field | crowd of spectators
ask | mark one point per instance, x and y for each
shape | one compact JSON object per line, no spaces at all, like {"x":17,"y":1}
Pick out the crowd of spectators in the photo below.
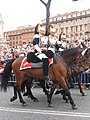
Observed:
{"x":7,"y":53}
{"x":21,"y":50}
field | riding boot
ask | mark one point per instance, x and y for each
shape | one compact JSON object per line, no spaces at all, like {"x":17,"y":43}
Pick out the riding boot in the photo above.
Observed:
{"x":54,"y":60}
{"x":45,"y":67}
{"x":45,"y":71}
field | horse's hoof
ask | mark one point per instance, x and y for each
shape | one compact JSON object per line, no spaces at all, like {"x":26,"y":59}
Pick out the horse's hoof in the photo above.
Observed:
{"x":66,"y":101}
{"x":35,"y":100}
{"x":25,"y":94}
{"x":74,"y":107}
{"x":57,"y":92}
{"x":46,"y":93}
{"x":50,"y":105}
{"x":24,"y":104}
{"x":12,"y":99}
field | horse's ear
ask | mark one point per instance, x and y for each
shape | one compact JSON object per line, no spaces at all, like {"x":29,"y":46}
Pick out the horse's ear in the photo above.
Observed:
{"x":83,"y":45}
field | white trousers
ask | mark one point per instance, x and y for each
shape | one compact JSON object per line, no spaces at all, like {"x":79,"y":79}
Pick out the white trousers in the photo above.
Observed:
{"x":42,"y":55}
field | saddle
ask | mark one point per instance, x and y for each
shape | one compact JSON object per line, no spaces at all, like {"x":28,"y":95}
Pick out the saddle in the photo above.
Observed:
{"x":26,"y":65}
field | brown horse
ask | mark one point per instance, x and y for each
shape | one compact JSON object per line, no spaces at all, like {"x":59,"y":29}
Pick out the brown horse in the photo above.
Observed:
{"x":58,"y":73}
{"x":76,"y":70}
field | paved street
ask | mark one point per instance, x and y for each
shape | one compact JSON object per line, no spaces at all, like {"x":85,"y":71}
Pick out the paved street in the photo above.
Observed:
{"x":40,"y":110}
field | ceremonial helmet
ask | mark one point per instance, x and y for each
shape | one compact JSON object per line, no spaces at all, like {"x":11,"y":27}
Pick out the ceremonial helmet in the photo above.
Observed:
{"x":40,"y":28}
{"x":52,"y":29}
{"x":63,"y":36}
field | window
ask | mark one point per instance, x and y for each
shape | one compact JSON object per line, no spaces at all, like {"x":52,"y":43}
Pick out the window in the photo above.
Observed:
{"x":16,"y":42}
{"x":66,"y":29}
{"x":76,"y":34}
{"x":76,"y":28}
{"x":16,"y":37}
{"x":20,"y":37}
{"x":85,"y":26}
{"x":71,"y":28}
{"x":80,"y":27}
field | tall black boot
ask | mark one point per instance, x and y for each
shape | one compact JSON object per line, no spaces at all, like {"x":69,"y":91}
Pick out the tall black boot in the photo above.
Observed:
{"x":45,"y":72}
{"x":45,"y":67}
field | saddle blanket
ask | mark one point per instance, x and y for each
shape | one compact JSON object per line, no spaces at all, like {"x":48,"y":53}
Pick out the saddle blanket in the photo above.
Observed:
{"x":25,"y":64}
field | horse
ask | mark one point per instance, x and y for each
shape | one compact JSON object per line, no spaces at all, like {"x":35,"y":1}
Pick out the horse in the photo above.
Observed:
{"x":58,"y":73}
{"x":76,"y":71}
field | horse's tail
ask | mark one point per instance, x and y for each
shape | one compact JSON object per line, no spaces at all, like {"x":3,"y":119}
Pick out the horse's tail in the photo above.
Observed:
{"x":6,"y":75}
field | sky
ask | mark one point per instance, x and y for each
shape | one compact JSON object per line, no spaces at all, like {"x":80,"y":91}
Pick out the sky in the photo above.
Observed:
{"x":17,"y":13}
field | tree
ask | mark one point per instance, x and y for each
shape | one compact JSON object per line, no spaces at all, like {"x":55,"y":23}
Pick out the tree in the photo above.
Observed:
{"x":47,"y":5}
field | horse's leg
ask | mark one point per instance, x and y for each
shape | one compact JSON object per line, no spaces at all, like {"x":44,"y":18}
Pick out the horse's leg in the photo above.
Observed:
{"x":42,"y":83}
{"x":70,"y":98}
{"x":28,"y":83}
{"x":30,"y":93}
{"x":64,"y":96}
{"x":79,"y":84}
{"x":50,"y":93}
{"x":15,"y":94}
{"x":18,"y":90}
{"x":64,"y":85}
{"x":21,"y":99}
{"x":62,"y":92}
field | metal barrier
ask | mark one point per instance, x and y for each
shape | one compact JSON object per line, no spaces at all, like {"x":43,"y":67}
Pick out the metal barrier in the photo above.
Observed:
{"x":85,"y":78}
{"x":12,"y":79}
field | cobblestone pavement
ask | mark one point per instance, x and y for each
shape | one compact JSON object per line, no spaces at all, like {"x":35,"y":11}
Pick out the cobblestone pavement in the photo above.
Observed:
{"x":40,"y":110}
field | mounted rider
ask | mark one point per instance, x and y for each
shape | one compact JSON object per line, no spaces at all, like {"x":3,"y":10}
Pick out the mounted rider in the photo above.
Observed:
{"x":53,"y":38}
{"x":40,"y":43}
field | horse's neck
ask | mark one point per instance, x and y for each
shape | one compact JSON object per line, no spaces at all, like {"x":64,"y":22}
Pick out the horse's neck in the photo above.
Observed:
{"x":61,"y":59}
{"x":69,"y":59}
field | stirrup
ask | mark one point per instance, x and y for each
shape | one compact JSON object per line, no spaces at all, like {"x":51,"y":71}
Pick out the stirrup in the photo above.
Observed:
{"x":48,"y":82}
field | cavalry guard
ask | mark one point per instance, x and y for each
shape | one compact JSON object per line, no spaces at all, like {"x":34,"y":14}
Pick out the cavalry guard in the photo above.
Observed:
{"x":63,"y":42}
{"x":53,"y":38}
{"x":40,"y":42}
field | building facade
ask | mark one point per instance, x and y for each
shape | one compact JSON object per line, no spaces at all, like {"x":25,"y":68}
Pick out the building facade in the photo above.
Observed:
{"x":76,"y":25}
{"x":18,"y":36}
{"x":1,"y":31}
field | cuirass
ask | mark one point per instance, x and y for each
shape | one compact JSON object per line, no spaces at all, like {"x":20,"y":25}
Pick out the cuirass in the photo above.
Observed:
{"x":52,"y":40}
{"x":43,"y":41}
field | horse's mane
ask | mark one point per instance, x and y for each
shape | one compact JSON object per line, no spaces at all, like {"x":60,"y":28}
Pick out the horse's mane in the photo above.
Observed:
{"x":70,"y":51}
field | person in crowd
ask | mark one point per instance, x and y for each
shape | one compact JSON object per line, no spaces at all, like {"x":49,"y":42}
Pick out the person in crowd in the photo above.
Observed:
{"x":62,"y":42}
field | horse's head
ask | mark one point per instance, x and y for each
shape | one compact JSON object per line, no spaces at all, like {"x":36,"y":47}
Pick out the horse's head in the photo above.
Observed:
{"x":84,"y":60}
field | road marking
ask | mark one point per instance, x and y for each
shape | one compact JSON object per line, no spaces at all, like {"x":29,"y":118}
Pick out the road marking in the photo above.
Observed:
{"x":45,"y":112}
